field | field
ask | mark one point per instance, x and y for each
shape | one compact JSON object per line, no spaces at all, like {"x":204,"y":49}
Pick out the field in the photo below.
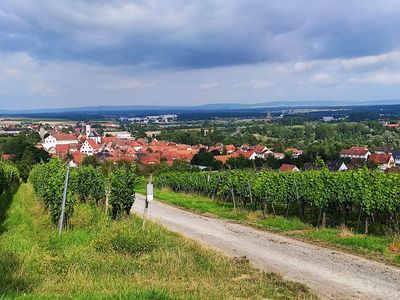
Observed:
{"x":384,"y":248}
{"x":103,"y":259}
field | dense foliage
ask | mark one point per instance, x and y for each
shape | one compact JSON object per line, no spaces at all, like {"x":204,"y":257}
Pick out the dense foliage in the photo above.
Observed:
{"x":316,"y":195}
{"x":9,"y":176}
{"x":122,"y":186}
{"x":323,"y":138}
{"x":23,"y":152}
{"x":48,"y":182}
{"x":86,"y":184}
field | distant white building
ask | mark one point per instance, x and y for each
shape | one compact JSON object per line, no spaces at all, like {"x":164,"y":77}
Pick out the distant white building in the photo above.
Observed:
{"x":124,"y":136}
{"x":355,"y":152}
{"x":328,"y":119}
{"x":59,"y":139}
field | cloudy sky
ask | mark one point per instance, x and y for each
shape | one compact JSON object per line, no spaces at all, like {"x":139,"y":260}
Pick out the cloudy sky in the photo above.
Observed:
{"x":69,"y":53}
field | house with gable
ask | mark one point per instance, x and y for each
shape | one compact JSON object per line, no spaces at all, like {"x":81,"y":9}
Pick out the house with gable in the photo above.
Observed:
{"x":89,"y":147}
{"x":55,"y":139}
{"x":289,"y":168}
{"x":355,"y":153}
{"x":382,"y":160}
{"x":295,"y":152}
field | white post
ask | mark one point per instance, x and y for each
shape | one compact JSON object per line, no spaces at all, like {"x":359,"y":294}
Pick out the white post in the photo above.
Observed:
{"x":60,"y":225}
{"x":149,"y":197}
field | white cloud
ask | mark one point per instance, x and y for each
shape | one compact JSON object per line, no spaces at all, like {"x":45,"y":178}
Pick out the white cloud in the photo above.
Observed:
{"x":322,"y":78}
{"x":210,"y":85}
{"x":382,"y":77}
{"x":129,"y":84}
{"x":42,"y":88}
{"x":374,"y":60}
{"x":255,"y":84}
{"x":304,"y":66}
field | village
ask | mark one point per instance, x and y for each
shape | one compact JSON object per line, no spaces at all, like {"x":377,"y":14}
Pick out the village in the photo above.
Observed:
{"x":85,"y":141}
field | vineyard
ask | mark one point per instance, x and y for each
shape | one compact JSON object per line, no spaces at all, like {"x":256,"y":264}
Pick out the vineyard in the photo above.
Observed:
{"x":9,"y":177}
{"x":87,"y":184}
{"x":319,"y":197}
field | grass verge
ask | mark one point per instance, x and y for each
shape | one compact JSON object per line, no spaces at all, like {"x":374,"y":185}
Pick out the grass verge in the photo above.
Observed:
{"x":381,"y":248}
{"x":103,"y":259}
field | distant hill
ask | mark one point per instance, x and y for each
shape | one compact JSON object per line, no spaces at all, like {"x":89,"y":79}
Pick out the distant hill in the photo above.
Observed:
{"x":200,"y":108}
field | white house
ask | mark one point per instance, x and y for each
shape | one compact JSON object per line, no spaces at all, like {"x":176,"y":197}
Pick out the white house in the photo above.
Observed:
{"x":295,"y":152}
{"x":59,"y":139}
{"x":355,"y":152}
{"x":252,"y":155}
{"x":89,"y":147}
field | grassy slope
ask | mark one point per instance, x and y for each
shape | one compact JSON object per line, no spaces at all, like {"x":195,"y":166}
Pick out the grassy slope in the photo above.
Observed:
{"x":376,"y":247}
{"x":104,"y":259}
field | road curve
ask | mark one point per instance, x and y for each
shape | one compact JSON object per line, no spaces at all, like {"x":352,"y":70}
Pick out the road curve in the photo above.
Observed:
{"x":330,"y":274}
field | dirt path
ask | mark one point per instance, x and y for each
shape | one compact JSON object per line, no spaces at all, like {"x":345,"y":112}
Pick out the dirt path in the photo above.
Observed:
{"x":330,"y":274}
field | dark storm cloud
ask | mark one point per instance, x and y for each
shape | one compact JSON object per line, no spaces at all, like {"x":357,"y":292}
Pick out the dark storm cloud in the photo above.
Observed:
{"x":198,"y":34}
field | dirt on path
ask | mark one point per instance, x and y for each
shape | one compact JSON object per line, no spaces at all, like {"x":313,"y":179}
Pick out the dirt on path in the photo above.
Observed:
{"x":330,"y":274}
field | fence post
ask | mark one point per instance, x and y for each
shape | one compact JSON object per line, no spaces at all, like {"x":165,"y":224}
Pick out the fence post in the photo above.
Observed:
{"x":233,"y":198}
{"x":61,"y":223}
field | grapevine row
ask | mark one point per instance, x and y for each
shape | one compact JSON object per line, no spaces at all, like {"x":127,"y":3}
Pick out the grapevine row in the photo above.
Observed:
{"x":315,"y":195}
{"x":9,"y":176}
{"x":86,"y":184}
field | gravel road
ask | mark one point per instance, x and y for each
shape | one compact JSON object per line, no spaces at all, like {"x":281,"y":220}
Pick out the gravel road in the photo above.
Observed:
{"x":330,"y":274}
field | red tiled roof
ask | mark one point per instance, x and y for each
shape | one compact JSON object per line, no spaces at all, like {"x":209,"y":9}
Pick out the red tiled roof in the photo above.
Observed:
{"x":93,"y":144}
{"x":7,"y":156}
{"x":62,"y":148}
{"x":355,"y":151}
{"x":392,"y":125}
{"x":136,"y":144}
{"x":294,"y":150}
{"x":230,"y":148}
{"x":287,"y":168}
{"x":222,"y":158}
{"x":380,"y":159}
{"x":64,"y":137}
{"x":248,"y":154}
{"x":127,"y":158}
{"x":258,"y":148}
{"x":78,"y":157}
{"x":149,"y":161}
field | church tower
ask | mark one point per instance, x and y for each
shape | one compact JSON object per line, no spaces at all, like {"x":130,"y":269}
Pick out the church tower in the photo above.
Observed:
{"x":88,"y":130}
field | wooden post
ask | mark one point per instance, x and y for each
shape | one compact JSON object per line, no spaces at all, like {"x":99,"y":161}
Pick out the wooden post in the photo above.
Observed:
{"x":323,"y":220}
{"x":107,"y":195}
{"x":251,"y":195}
{"x":233,"y":198}
{"x":273,"y":208}
{"x":359,"y":219}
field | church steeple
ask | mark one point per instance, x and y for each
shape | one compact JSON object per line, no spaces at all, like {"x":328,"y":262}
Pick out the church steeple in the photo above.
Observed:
{"x":88,"y":130}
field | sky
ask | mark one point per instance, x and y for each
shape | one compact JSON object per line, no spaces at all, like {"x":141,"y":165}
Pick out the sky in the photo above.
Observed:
{"x":72,"y":53}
